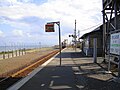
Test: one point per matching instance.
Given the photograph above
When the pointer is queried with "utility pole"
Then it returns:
(75, 36)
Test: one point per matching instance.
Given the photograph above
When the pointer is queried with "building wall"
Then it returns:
(85, 45)
(88, 44)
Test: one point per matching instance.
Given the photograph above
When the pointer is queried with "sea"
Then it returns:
(10, 48)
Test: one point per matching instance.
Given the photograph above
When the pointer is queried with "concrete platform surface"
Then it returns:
(76, 73)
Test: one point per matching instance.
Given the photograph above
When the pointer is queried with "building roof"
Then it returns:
(95, 30)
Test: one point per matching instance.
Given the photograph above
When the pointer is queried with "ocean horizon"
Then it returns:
(10, 48)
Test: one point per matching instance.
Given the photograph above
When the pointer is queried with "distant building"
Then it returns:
(87, 44)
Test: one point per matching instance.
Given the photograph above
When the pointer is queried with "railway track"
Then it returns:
(6, 82)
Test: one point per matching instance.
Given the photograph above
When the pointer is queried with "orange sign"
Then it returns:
(49, 28)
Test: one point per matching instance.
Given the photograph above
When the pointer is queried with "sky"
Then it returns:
(23, 21)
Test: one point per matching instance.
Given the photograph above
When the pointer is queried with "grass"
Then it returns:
(27, 50)
(6, 52)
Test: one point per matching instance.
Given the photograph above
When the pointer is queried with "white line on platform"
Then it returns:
(20, 83)
(51, 83)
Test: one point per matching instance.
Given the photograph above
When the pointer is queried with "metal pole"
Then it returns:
(75, 35)
(59, 40)
(119, 67)
(58, 23)
(115, 20)
(116, 27)
(104, 31)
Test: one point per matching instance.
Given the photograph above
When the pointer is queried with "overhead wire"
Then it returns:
(90, 27)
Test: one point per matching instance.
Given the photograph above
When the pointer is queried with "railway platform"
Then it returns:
(77, 72)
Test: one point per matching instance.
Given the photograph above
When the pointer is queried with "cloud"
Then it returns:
(15, 12)
(4, 3)
(54, 9)
(28, 34)
(1, 34)
(18, 33)
(25, 1)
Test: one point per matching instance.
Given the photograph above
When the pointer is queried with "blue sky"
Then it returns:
(23, 21)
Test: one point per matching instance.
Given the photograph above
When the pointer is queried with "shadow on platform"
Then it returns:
(63, 78)
(7, 83)
(72, 55)
(71, 76)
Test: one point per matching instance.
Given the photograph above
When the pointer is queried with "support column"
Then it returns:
(119, 68)
(95, 50)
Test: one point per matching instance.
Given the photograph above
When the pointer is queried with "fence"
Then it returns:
(12, 53)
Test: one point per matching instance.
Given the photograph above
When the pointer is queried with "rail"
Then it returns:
(25, 71)
(45, 58)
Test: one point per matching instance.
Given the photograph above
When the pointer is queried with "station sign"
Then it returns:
(115, 43)
(49, 27)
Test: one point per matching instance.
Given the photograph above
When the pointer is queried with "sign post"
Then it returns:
(49, 27)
